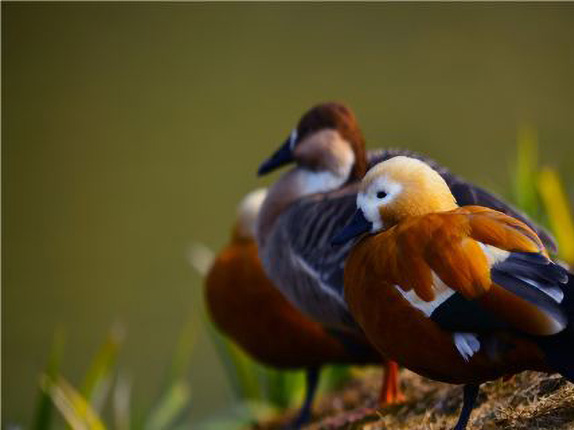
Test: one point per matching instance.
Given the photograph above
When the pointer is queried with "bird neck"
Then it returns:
(292, 186)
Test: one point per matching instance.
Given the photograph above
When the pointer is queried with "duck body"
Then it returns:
(457, 294)
(385, 285)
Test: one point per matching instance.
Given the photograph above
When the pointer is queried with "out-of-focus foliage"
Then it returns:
(75, 408)
(99, 376)
(44, 406)
(525, 172)
(540, 193)
(558, 211)
(105, 386)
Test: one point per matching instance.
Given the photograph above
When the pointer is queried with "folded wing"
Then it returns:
(495, 265)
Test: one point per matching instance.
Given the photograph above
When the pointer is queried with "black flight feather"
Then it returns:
(529, 293)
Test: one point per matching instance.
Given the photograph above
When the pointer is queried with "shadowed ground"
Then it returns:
(527, 401)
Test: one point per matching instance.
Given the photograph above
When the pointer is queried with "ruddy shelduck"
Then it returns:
(457, 294)
(249, 309)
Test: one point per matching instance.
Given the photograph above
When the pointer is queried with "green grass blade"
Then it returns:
(175, 387)
(170, 407)
(332, 377)
(559, 212)
(241, 370)
(275, 383)
(525, 174)
(246, 370)
(44, 405)
(121, 403)
(71, 404)
(284, 389)
(183, 351)
(98, 377)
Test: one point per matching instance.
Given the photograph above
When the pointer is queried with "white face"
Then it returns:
(381, 192)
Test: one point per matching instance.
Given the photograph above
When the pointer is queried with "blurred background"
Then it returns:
(132, 130)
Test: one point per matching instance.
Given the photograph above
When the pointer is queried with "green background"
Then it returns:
(131, 130)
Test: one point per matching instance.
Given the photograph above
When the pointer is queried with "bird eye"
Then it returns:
(381, 194)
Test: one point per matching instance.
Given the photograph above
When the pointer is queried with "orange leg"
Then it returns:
(390, 390)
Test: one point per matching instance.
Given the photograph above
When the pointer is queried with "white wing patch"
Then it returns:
(442, 293)
(467, 344)
(493, 254)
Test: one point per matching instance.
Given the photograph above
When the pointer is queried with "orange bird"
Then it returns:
(457, 294)
(248, 308)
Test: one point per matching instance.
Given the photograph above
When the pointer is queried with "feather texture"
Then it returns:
(523, 289)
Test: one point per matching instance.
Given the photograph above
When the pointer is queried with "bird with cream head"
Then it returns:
(458, 294)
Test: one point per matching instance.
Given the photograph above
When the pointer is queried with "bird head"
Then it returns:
(327, 138)
(394, 190)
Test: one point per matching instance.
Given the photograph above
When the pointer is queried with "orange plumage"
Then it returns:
(449, 244)
(407, 255)
(460, 295)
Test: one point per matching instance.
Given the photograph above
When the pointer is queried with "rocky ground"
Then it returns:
(526, 402)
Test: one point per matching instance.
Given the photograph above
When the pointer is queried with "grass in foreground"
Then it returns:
(104, 399)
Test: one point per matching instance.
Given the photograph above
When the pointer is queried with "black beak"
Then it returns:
(284, 155)
(358, 225)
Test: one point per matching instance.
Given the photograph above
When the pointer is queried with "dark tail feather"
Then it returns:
(559, 348)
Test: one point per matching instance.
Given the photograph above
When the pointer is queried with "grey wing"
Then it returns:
(305, 266)
(466, 193)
